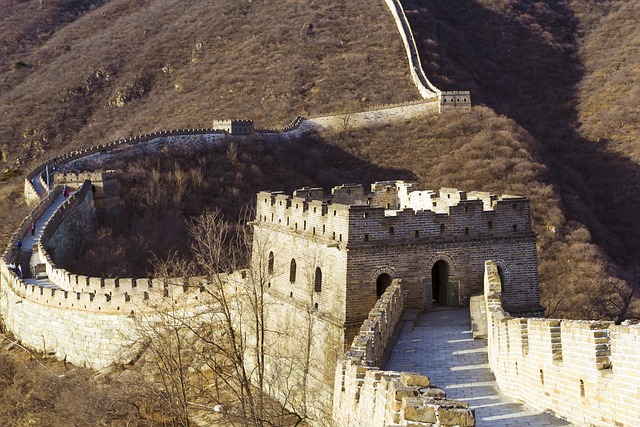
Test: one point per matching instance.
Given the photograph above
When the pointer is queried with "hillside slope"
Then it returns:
(564, 73)
(78, 73)
(108, 69)
(557, 69)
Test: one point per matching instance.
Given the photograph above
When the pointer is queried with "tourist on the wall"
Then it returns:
(20, 271)
(32, 227)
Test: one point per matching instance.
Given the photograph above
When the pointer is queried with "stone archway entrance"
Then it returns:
(440, 288)
(382, 283)
(439, 282)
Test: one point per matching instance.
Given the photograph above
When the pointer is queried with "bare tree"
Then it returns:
(207, 331)
(619, 299)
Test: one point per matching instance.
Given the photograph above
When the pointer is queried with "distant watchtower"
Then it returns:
(234, 127)
(338, 252)
(105, 189)
(455, 100)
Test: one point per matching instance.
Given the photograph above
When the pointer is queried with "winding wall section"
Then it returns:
(585, 371)
(89, 321)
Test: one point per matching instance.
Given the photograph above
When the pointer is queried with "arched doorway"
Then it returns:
(382, 283)
(439, 282)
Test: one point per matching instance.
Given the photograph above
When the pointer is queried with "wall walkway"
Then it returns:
(88, 320)
(586, 371)
(425, 87)
(365, 395)
(441, 346)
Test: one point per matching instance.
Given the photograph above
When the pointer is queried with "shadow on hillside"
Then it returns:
(160, 194)
(523, 63)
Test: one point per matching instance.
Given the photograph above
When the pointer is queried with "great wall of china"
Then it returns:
(586, 372)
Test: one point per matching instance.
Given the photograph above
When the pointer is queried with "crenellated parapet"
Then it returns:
(89, 321)
(447, 101)
(376, 332)
(68, 178)
(367, 395)
(393, 213)
(333, 261)
(37, 180)
(95, 294)
(585, 371)
(104, 188)
(426, 88)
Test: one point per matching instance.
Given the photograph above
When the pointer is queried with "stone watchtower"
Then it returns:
(330, 256)
(234, 126)
(105, 189)
(351, 244)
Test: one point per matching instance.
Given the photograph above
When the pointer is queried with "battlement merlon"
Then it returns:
(393, 212)
(60, 178)
(393, 196)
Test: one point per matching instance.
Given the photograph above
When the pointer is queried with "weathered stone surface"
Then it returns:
(462, 417)
(417, 410)
(433, 392)
(412, 379)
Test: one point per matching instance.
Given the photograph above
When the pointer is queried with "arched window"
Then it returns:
(292, 271)
(270, 265)
(317, 286)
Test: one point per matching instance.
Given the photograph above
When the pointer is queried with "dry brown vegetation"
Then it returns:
(558, 80)
(609, 95)
(540, 63)
(128, 67)
(477, 150)
(161, 193)
(48, 393)
(93, 71)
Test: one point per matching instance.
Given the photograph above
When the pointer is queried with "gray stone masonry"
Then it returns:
(441, 347)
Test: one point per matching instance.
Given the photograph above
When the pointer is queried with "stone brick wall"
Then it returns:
(304, 312)
(89, 339)
(350, 237)
(59, 161)
(364, 395)
(376, 116)
(87, 321)
(234, 126)
(455, 100)
(585, 371)
(413, 263)
(71, 227)
(358, 238)
(104, 189)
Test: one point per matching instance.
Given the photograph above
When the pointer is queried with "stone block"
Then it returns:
(453, 416)
(402, 392)
(433, 392)
(416, 409)
(412, 379)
